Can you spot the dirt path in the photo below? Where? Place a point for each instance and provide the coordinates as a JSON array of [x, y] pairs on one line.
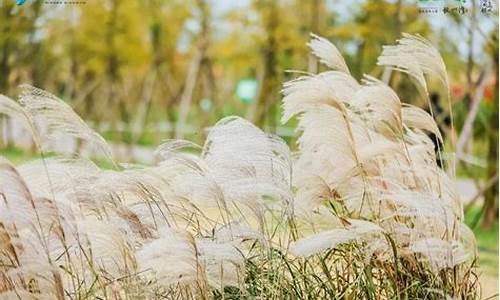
[[489, 286]]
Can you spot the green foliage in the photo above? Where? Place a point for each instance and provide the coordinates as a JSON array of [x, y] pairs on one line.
[[487, 241], [16, 155]]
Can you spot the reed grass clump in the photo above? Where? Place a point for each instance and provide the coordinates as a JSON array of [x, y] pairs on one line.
[[361, 211]]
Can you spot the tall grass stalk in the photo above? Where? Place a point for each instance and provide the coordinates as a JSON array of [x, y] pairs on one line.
[[361, 210]]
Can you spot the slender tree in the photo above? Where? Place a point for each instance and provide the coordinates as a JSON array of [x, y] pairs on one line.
[[491, 195]]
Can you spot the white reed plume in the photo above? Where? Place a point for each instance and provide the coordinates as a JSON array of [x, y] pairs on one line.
[[15, 111], [56, 117], [364, 153], [240, 215], [416, 56], [327, 53]]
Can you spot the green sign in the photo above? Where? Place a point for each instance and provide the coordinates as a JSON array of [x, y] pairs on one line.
[[246, 90], [206, 104]]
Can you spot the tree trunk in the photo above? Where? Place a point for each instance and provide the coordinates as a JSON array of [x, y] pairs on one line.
[[112, 68], [5, 66], [312, 66], [37, 67], [270, 84], [210, 91], [468, 127], [187, 95], [386, 76], [6, 46], [192, 76], [470, 53], [491, 196]]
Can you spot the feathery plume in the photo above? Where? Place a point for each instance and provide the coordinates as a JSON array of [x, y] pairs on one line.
[[327, 53], [15, 111], [57, 118], [416, 56]]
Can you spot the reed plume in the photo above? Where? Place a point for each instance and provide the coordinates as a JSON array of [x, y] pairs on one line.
[[360, 211]]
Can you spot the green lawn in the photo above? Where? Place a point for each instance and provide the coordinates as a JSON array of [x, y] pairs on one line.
[[487, 242], [17, 156]]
